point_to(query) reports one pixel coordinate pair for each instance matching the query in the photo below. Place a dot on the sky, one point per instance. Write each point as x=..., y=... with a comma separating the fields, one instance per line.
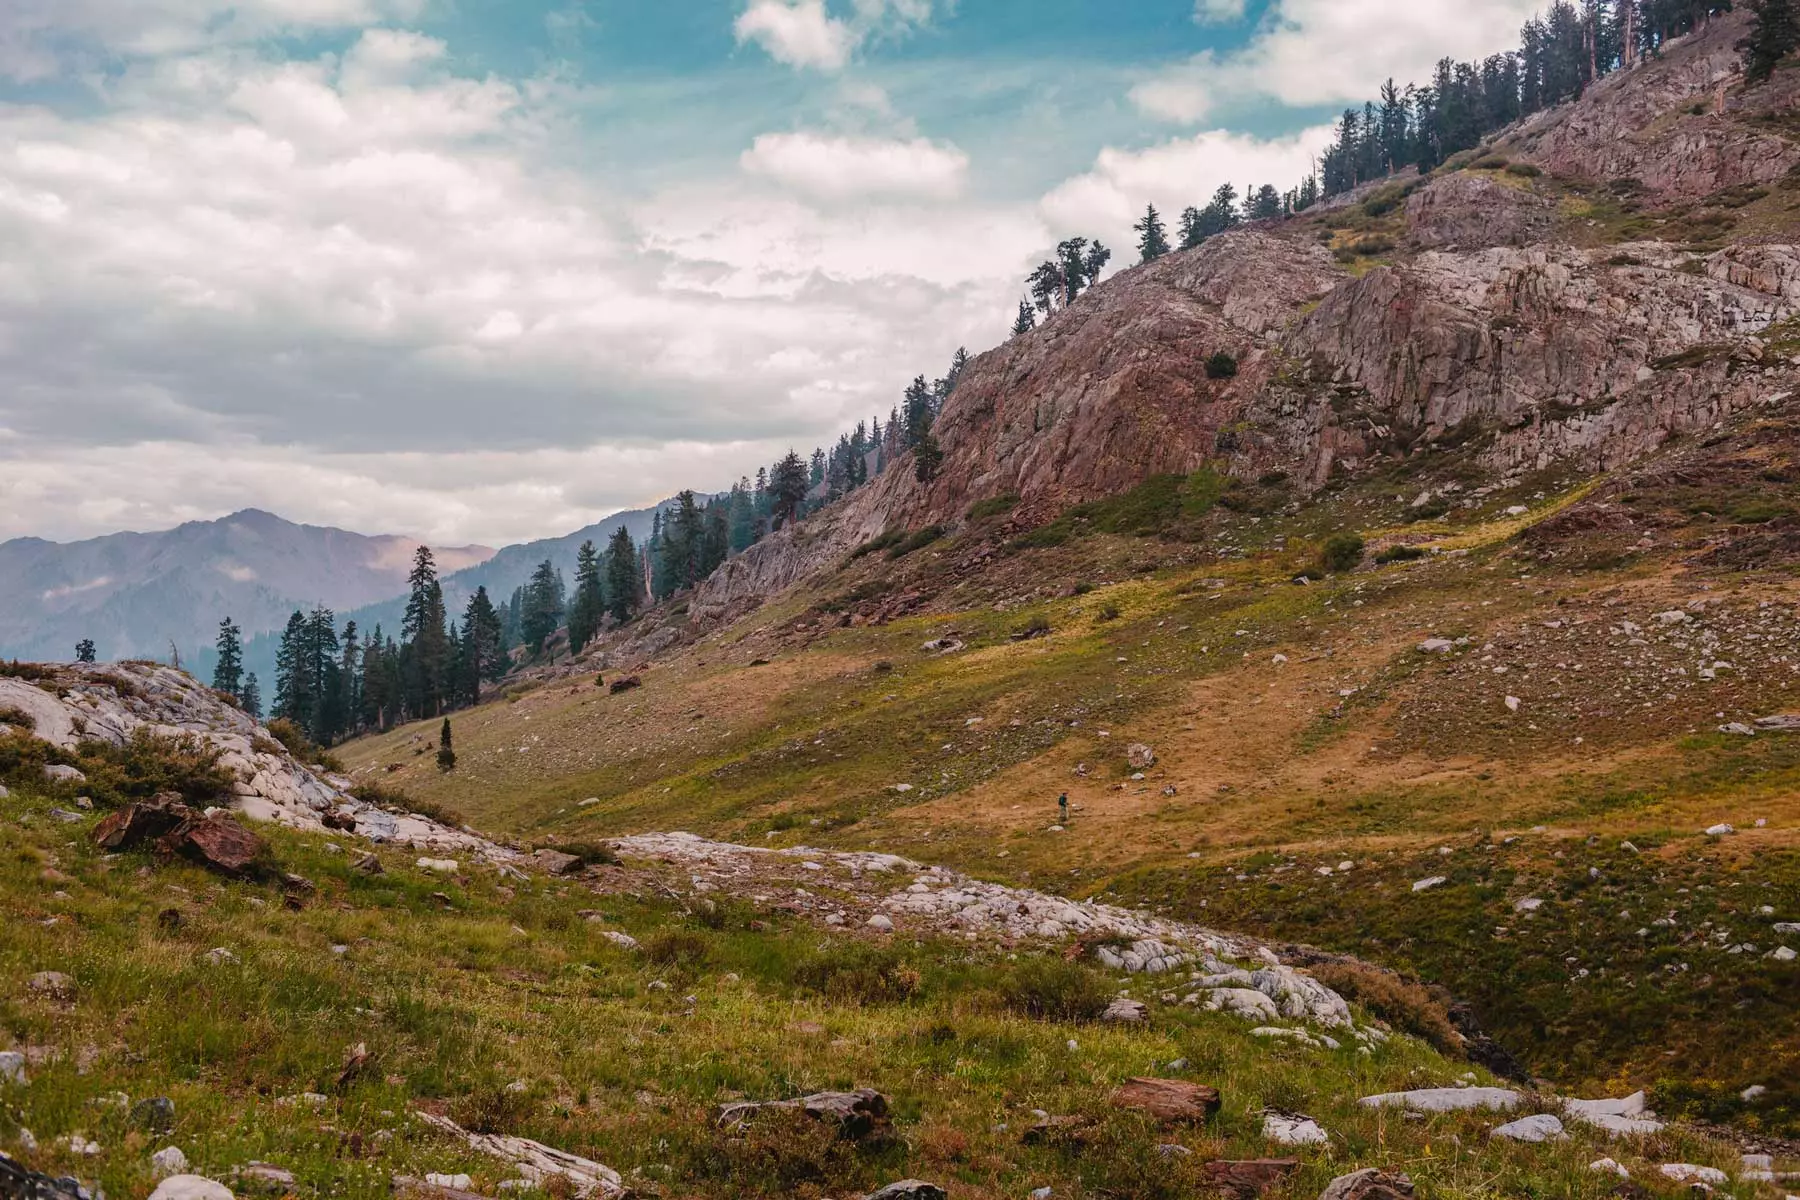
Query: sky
x=488, y=270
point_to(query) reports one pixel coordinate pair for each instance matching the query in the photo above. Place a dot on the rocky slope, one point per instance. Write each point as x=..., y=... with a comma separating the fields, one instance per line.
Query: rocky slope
x=1579, y=307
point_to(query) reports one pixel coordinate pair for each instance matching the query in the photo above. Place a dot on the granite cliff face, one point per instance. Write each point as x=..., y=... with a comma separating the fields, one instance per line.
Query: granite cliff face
x=1598, y=280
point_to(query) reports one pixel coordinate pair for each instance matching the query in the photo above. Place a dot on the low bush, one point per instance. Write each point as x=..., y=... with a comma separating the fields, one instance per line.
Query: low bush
x=883, y=541
x=294, y=739
x=1401, y=553
x=1524, y=170
x=1341, y=552
x=1408, y=1006
x=994, y=506
x=1036, y=627
x=1492, y=162
x=677, y=947
x=1221, y=365
x=437, y=810
x=18, y=718
x=857, y=973
x=1051, y=989
x=588, y=854
x=917, y=540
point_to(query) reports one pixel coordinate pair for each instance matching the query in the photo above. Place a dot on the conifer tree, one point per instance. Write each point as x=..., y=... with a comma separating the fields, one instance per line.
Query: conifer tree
x=423, y=637
x=1774, y=34
x=543, y=611
x=623, y=586
x=589, y=602
x=446, y=754
x=84, y=650
x=481, y=637
x=1026, y=321
x=787, y=488
x=228, y=671
x=251, y=697
x=1153, y=238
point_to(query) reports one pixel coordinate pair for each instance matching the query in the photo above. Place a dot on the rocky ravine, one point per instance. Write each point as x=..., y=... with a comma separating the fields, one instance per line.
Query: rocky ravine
x=1484, y=325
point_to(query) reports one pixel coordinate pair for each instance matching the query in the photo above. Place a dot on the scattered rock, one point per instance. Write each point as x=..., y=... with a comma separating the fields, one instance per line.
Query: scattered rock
x=881, y=924
x=1368, y=1184
x=190, y=1187
x=1719, y=830
x=537, y=1162
x=1140, y=757
x=1243, y=1002
x=57, y=773
x=553, y=862
x=623, y=941
x=1630, y=1115
x=12, y=1067
x=219, y=956
x=858, y=1115
x=1292, y=1129
x=458, y=1181
x=51, y=985
x=1437, y=645
x=1541, y=1127
x=1692, y=1173
x=1126, y=1011
x=168, y=1161
x=156, y=1114
x=1753, y=1093
x=1439, y=1100
x=909, y=1189
x=1607, y=1166
x=369, y=864
x=1429, y=882
x=625, y=684
x=1249, y=1178
x=443, y=866
x=1168, y=1100
x=264, y=1175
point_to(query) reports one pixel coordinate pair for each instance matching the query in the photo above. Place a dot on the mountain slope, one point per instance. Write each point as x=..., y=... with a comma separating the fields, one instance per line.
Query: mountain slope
x=136, y=593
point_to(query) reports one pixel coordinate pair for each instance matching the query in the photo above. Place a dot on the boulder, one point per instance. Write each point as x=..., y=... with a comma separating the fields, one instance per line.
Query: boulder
x=1292, y=1129
x=140, y=822
x=858, y=1115
x=12, y=1067
x=1250, y=1178
x=1439, y=1100
x=1541, y=1127
x=1630, y=1115
x=1140, y=756
x=217, y=842
x=1368, y=1184
x=1126, y=1011
x=154, y=1114
x=51, y=985
x=1168, y=1100
x=57, y=773
x=168, y=1161
x=554, y=862
x=190, y=1187
x=909, y=1189
x=1692, y=1173
x=15, y=1180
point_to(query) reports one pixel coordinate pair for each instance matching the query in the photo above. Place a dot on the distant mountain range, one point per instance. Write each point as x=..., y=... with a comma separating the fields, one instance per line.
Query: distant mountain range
x=136, y=594
x=139, y=594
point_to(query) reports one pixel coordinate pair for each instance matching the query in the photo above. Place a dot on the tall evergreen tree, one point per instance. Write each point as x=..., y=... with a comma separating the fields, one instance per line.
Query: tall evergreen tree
x=228, y=671
x=589, y=602
x=623, y=583
x=1153, y=238
x=1026, y=321
x=543, y=611
x=787, y=488
x=481, y=637
x=293, y=683
x=446, y=753
x=424, y=638
x=1774, y=34
x=84, y=650
x=251, y=697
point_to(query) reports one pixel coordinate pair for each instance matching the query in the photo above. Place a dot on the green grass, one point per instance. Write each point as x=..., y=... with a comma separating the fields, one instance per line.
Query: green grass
x=507, y=983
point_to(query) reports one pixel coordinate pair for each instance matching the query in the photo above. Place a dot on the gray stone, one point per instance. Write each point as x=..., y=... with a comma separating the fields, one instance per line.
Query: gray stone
x=1125, y=1011
x=53, y=985
x=154, y=1114
x=1368, y=1184
x=1439, y=1100
x=58, y=773
x=909, y=1189
x=168, y=1161
x=1541, y=1127
x=12, y=1067
x=190, y=1187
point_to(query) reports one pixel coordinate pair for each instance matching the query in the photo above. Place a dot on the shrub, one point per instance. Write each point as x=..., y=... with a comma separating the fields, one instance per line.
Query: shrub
x=1108, y=612
x=883, y=541
x=677, y=947
x=1036, y=627
x=300, y=746
x=150, y=764
x=31, y=672
x=981, y=510
x=1524, y=170
x=493, y=1110
x=1402, y=553
x=1493, y=162
x=1051, y=989
x=1400, y=1002
x=917, y=540
x=1221, y=365
x=18, y=718
x=1368, y=247
x=857, y=973
x=438, y=811
x=588, y=854
x=1082, y=589
x=782, y=1152
x=1341, y=552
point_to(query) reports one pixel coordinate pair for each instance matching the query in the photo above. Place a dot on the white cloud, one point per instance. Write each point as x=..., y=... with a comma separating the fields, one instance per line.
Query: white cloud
x=364, y=290
x=1215, y=12
x=1311, y=52
x=797, y=32
x=802, y=33
x=837, y=168
x=1178, y=173
x=40, y=37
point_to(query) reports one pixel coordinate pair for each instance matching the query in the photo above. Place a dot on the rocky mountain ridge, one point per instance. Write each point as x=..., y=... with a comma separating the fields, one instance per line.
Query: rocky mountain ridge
x=1566, y=297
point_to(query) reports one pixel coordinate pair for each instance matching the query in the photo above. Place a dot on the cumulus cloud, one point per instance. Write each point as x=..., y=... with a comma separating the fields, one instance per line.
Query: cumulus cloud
x=1311, y=52
x=837, y=168
x=796, y=32
x=1215, y=12
x=1175, y=174
x=362, y=289
x=802, y=33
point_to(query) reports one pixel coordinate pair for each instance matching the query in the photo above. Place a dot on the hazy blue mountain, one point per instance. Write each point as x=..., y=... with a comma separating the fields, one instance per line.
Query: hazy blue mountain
x=136, y=594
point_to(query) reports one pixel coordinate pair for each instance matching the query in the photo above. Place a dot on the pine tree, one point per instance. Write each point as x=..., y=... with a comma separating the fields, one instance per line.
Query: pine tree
x=446, y=754
x=350, y=678
x=543, y=612
x=1774, y=34
x=228, y=672
x=1094, y=261
x=251, y=697
x=293, y=690
x=589, y=602
x=424, y=639
x=84, y=650
x=1026, y=321
x=623, y=586
x=481, y=638
x=1192, y=228
x=1153, y=238
x=787, y=488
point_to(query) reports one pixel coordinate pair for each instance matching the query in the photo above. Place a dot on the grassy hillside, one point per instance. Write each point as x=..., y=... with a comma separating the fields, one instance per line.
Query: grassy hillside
x=500, y=1004
x=1297, y=725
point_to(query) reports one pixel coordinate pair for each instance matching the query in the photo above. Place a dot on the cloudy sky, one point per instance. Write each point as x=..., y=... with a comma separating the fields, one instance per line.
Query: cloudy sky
x=489, y=269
